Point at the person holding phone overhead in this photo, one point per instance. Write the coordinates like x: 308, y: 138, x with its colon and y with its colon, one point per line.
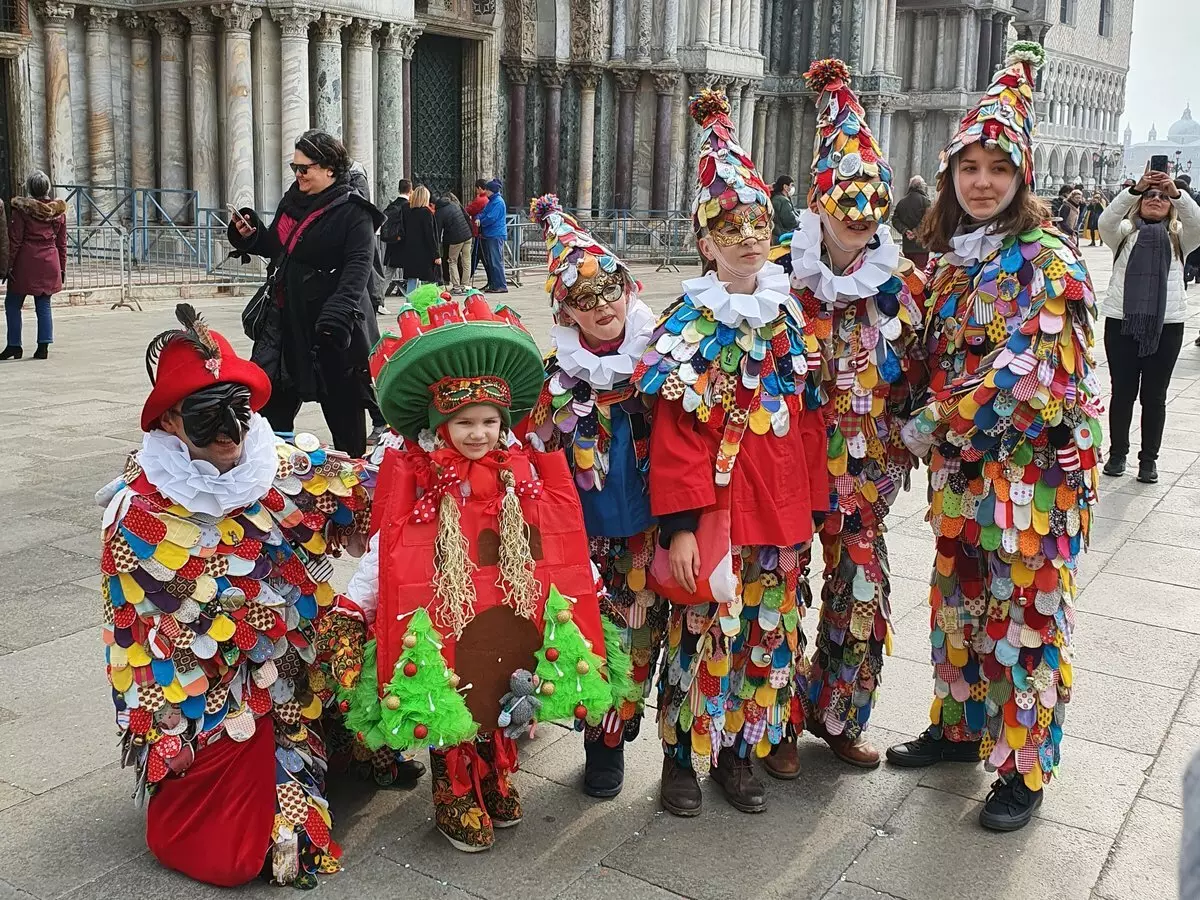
x: 321, y: 249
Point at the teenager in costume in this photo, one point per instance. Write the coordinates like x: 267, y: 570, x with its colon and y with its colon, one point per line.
x: 589, y: 407
x: 477, y: 584
x: 737, y: 462
x: 856, y: 291
x: 1012, y: 426
x: 216, y: 566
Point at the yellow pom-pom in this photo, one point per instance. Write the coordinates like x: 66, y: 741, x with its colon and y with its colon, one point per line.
x: 582, y: 667
x: 392, y: 702
x: 563, y: 616
x: 548, y: 688
x: 410, y: 641
x: 825, y: 72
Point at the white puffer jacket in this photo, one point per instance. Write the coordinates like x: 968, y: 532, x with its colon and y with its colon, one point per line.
x: 1116, y: 227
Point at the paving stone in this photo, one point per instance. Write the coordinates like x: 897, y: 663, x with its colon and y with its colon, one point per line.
x: 1181, y: 500
x: 1137, y: 600
x: 8, y: 892
x: 43, y: 615
x: 1155, y: 562
x: 1145, y: 861
x: 40, y: 567
x: 849, y: 890
x: 911, y: 556
x: 1108, y: 535
x: 1169, y: 528
x: 22, y: 532
x: 1130, y: 485
x: 1165, y: 784
x: 1127, y: 507
x: 68, y: 667
x: 1120, y: 713
x: 11, y: 795
x: 908, y: 594
x: 603, y: 883
x: 904, y: 698
x: 1090, y: 565
x: 922, y: 855
x: 88, y: 727
x: 1121, y: 648
x: 1189, y: 711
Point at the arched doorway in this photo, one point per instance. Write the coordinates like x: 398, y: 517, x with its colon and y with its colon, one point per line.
x: 437, y: 115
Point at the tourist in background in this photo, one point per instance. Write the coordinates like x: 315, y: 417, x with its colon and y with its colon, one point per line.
x: 493, y: 231
x: 907, y: 219
x: 455, y: 229
x: 473, y: 209
x: 421, y: 253
x: 782, y: 207
x: 392, y: 230
x: 1151, y: 228
x: 36, y: 243
x: 1091, y: 224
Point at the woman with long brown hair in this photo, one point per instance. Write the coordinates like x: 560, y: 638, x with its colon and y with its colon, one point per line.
x: 1009, y: 435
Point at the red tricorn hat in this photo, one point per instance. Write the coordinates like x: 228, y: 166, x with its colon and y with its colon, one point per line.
x: 182, y: 361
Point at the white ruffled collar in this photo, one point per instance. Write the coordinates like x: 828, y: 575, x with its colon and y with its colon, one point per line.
x: 602, y: 372
x: 810, y: 271
x: 762, y: 307
x: 197, y: 485
x: 969, y: 247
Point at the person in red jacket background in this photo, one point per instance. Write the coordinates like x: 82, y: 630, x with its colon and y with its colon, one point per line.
x: 473, y: 209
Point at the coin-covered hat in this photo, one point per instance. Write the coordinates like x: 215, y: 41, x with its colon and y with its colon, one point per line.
x: 726, y: 176
x: 574, y: 258
x: 851, y: 180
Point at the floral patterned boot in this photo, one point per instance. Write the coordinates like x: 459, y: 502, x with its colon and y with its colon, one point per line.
x: 500, y: 796
x: 458, y: 807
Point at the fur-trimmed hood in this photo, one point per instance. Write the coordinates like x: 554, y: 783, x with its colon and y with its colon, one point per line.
x: 46, y: 210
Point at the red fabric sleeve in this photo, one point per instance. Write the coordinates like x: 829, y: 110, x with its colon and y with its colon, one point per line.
x: 816, y: 452
x: 681, y: 463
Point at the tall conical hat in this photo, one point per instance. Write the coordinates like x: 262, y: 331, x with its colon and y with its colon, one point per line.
x: 1004, y: 118
x: 850, y: 178
x: 726, y: 176
x: 571, y: 253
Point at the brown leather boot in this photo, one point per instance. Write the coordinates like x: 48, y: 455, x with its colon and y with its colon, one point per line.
x: 783, y: 762
x: 679, y: 791
x: 855, y: 751
x: 736, y: 777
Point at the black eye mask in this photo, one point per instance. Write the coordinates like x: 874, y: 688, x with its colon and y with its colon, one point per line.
x: 220, y: 410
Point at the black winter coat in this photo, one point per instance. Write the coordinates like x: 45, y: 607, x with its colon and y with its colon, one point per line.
x: 421, y: 245
x: 452, y: 222
x: 392, y: 232
x: 907, y: 217
x: 313, y: 340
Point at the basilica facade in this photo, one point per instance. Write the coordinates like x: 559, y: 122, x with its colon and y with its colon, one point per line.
x: 202, y: 102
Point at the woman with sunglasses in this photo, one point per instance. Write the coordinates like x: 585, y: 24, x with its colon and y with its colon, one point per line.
x: 321, y: 249
x: 1152, y: 227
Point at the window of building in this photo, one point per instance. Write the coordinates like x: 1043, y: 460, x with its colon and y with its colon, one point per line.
x: 1106, y: 17
x: 1066, y: 12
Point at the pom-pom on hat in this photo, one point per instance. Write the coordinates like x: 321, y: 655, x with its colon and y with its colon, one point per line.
x: 851, y: 180
x: 182, y: 361
x: 571, y: 253
x: 726, y: 175
x: 1003, y: 118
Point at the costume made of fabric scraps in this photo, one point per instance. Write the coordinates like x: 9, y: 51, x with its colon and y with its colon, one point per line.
x: 589, y: 408
x: 868, y: 319
x: 213, y: 583
x: 477, y: 578
x: 737, y: 456
x: 1014, y: 433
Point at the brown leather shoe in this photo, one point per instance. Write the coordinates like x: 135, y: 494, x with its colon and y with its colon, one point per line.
x: 783, y: 762
x: 735, y: 775
x: 855, y: 751
x: 679, y: 791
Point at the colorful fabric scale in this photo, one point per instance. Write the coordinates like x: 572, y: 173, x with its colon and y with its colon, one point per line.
x: 1013, y: 476
x: 729, y: 680
x: 727, y: 177
x: 209, y: 626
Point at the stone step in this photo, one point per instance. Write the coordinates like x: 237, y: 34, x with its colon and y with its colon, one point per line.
x: 152, y: 293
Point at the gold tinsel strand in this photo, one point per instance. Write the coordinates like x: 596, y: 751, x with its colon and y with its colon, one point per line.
x: 452, y: 585
x: 516, y: 561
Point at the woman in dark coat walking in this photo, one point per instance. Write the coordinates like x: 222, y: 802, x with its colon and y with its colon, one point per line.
x: 36, y: 244
x: 310, y: 339
x: 422, y: 249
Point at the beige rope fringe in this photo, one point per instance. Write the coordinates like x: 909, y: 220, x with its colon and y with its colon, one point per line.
x: 452, y: 585
x: 521, y: 590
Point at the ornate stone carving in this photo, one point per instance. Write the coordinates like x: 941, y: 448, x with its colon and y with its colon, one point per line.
x: 916, y: 115
x: 521, y: 36
x: 409, y: 40
x: 293, y: 23
x: 588, y: 77
x: 98, y: 18
x: 484, y: 11
x: 699, y: 81
x: 329, y: 27
x: 665, y: 80
x: 56, y: 12
x: 800, y: 103
x: 587, y: 30
x: 361, y: 31
x: 237, y: 16
x: 519, y: 71
x: 199, y: 21
x: 628, y: 77
x: 553, y: 74
x: 391, y: 37
x: 138, y: 25
x: 167, y: 23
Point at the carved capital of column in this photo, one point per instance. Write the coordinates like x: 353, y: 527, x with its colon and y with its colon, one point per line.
x: 665, y: 80
x: 753, y: 84
x: 237, y: 16
x: 588, y: 77
x: 361, y: 31
x: 167, y: 24
x: 917, y: 115
x: 293, y: 23
x: 56, y: 13
x: 628, y: 78
x: 138, y: 25
x: 99, y: 18
x: 699, y: 81
x: 199, y: 21
x: 391, y: 37
x: 409, y: 41
x: 329, y: 28
x: 553, y: 74
x: 799, y: 102
x: 519, y: 71
x: 766, y: 103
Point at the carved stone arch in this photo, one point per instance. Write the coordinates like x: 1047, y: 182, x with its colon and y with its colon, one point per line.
x: 1070, y: 165
x: 1055, y: 163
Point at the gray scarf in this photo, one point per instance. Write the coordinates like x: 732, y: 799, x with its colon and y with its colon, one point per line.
x: 1146, y: 275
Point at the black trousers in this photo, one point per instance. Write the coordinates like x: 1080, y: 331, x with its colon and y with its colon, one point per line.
x: 345, y: 418
x: 1135, y: 377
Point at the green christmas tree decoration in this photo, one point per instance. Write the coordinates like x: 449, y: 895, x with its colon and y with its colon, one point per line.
x: 572, y: 684
x: 420, y: 706
x: 362, y: 702
x: 619, y: 667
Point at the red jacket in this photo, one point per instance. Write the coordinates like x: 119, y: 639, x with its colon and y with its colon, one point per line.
x: 474, y: 208
x: 37, y: 237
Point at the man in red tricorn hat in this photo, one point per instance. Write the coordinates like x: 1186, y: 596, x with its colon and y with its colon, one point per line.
x: 215, y: 563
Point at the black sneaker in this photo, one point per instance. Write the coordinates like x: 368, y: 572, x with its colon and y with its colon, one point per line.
x: 927, y: 749
x: 604, y: 770
x: 1147, y: 472
x: 1010, y: 805
x: 1115, y: 466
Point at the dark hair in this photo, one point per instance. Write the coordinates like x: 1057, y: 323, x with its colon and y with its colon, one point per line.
x: 781, y: 182
x: 404, y: 187
x: 1065, y: 190
x: 1026, y: 212
x: 1183, y: 181
x: 481, y: 184
x: 325, y: 150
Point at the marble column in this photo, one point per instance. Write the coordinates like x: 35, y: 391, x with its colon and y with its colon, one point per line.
x: 960, y: 71
x: 999, y: 29
x: 141, y: 102
x: 889, y: 63
x: 743, y: 39
x: 696, y: 82
x: 59, y: 128
x: 760, y: 133
x: 939, y: 52
x: 239, y: 110
x: 412, y: 34
x: 983, y: 71
x: 172, y: 112
x: 553, y: 75
x: 917, y: 150
x: 670, y: 30
x: 773, y: 106
x: 879, y: 58
x: 756, y: 26
x: 619, y: 37
x: 294, y: 75
x: 519, y: 73
x: 835, y: 28
x: 874, y: 113
x: 328, y: 98
x: 627, y: 84
x: 360, y: 94
x: 733, y: 93
x: 101, y: 149
x: 724, y: 35
x: 660, y: 178
x: 391, y: 111
x: 702, y: 23
x: 645, y: 22
x: 854, y: 47
x: 589, y: 80
x: 747, y: 127
x: 885, y: 130
x: 797, y: 155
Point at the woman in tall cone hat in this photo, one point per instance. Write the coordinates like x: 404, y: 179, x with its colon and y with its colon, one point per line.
x: 857, y: 293
x: 589, y: 407
x: 737, y: 462
x: 1012, y: 436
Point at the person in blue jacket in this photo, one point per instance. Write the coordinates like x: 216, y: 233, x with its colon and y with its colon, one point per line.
x: 493, y: 232
x: 589, y: 408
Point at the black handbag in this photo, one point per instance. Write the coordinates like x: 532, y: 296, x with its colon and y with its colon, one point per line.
x: 254, y: 315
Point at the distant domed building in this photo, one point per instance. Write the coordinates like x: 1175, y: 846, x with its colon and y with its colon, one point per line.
x: 1181, y: 147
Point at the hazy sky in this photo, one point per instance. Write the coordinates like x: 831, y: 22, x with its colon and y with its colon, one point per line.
x: 1163, y: 76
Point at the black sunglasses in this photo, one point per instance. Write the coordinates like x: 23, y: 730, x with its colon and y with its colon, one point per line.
x: 1155, y: 195
x: 302, y: 168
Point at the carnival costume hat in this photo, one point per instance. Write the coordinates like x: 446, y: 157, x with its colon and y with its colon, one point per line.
x: 1004, y: 117
x: 851, y: 180
x: 571, y: 253
x: 181, y: 362
x: 726, y: 176
x: 465, y: 354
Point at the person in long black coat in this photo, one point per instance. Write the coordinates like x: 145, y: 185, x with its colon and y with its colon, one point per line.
x: 321, y: 247
x: 422, y: 250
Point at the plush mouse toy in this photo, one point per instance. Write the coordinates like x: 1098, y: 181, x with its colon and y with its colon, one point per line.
x: 519, y: 707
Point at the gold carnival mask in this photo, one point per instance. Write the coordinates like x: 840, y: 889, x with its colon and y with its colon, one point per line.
x: 751, y: 223
x: 588, y: 293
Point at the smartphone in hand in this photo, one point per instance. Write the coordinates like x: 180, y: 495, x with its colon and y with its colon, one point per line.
x: 1159, y: 162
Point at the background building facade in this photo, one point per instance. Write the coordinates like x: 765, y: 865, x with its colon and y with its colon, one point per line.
x: 587, y: 98
x: 1181, y: 148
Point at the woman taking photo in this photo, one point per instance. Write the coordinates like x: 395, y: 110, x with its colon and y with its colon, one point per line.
x: 1151, y: 227
x: 1012, y: 468
x: 37, y: 242
x: 422, y: 248
x: 309, y: 336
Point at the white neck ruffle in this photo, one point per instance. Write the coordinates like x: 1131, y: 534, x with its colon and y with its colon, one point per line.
x: 603, y: 372
x: 810, y: 271
x: 762, y: 307
x: 969, y: 247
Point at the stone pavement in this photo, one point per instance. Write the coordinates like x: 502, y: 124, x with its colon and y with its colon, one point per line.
x: 1108, y: 830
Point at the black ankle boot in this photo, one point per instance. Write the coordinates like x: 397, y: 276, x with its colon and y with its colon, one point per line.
x: 1010, y: 805
x: 1147, y: 472
x: 1115, y: 466
x: 604, y: 770
x: 926, y: 750
x: 11, y: 352
x: 42, y: 351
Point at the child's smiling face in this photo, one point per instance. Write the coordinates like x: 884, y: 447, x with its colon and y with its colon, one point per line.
x: 475, y: 430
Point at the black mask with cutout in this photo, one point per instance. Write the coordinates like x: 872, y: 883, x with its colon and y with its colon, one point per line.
x: 212, y: 412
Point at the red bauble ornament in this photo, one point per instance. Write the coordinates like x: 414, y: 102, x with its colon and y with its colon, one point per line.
x: 344, y: 706
x: 410, y: 669
x: 360, y: 736
x: 552, y: 654
x: 420, y: 731
x: 581, y: 711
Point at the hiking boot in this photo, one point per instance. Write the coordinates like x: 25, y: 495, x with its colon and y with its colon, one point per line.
x: 926, y: 750
x: 1010, y: 805
x: 856, y: 751
x: 604, y: 769
x: 1115, y: 466
x: 461, y: 819
x: 736, y: 777
x: 783, y: 762
x: 679, y: 791
x: 1147, y: 472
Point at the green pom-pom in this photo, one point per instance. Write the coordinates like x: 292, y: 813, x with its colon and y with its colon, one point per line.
x: 424, y: 297
x: 1027, y: 52
x: 620, y: 667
